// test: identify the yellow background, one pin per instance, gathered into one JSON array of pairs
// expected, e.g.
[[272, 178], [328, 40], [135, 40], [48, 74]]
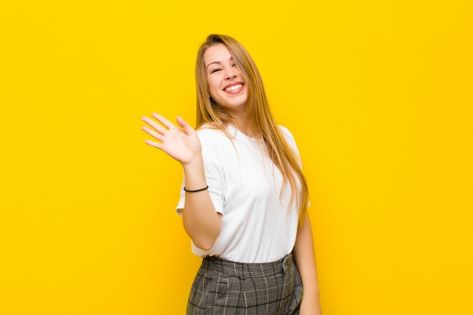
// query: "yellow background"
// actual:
[[377, 93]]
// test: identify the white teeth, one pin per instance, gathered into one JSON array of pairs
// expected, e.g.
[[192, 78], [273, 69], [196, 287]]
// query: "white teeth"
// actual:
[[233, 88]]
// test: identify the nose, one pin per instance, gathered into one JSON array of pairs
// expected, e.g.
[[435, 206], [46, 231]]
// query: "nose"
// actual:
[[231, 73]]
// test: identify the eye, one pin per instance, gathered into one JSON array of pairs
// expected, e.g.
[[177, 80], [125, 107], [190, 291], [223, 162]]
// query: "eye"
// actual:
[[215, 70]]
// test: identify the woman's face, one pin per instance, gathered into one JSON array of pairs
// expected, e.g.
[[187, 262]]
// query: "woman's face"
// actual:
[[226, 84]]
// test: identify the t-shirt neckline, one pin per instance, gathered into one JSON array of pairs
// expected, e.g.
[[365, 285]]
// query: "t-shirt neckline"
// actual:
[[240, 135]]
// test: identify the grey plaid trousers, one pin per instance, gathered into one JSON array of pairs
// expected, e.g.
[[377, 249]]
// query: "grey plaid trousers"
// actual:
[[225, 287]]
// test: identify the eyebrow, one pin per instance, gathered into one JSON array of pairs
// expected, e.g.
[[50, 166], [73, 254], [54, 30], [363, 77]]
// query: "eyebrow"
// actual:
[[231, 58]]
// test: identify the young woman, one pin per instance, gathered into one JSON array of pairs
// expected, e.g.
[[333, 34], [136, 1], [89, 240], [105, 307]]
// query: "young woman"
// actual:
[[244, 198]]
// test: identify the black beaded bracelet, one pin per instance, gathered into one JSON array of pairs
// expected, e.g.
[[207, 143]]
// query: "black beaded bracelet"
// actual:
[[196, 190]]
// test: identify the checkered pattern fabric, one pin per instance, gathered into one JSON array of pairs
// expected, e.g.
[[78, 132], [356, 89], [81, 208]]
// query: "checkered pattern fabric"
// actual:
[[226, 287]]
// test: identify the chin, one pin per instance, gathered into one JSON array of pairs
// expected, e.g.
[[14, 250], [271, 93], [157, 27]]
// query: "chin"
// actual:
[[232, 103], [235, 104]]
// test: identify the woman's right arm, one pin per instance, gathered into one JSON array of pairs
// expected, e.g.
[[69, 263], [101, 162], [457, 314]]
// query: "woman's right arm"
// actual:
[[201, 221]]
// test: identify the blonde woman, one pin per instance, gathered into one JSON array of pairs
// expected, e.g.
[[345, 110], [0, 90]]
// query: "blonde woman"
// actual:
[[244, 198]]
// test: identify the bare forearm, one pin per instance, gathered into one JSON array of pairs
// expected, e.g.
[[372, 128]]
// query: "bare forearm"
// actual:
[[305, 261], [201, 221]]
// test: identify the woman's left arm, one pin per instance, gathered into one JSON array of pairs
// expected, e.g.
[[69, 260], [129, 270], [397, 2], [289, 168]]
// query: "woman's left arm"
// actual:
[[305, 260]]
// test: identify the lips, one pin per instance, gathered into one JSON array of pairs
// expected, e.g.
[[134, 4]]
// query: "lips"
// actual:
[[232, 84], [233, 88]]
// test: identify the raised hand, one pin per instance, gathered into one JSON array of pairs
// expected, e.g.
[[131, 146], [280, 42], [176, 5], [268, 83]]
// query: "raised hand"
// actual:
[[181, 144]]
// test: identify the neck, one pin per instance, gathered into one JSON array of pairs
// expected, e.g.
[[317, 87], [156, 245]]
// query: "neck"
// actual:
[[241, 123]]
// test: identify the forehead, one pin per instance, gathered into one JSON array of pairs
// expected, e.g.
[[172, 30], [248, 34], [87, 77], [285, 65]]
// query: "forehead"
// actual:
[[217, 52]]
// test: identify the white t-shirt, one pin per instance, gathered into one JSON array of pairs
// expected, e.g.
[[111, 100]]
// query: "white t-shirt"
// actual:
[[244, 187]]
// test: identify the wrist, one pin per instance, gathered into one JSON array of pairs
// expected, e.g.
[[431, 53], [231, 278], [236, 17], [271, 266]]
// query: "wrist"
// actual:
[[195, 163], [311, 291], [194, 174]]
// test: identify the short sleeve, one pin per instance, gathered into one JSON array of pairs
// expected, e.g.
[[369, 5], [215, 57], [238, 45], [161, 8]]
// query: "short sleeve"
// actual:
[[292, 142], [214, 176]]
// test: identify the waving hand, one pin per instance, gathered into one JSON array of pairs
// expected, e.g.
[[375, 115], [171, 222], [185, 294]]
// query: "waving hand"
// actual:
[[182, 144]]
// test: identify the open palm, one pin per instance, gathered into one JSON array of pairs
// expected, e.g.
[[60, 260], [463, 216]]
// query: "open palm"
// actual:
[[181, 144]]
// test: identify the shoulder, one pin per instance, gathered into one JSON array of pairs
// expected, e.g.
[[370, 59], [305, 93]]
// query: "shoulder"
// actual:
[[213, 141], [289, 137], [287, 133], [209, 132]]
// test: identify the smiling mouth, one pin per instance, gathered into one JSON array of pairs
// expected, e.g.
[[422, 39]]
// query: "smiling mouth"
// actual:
[[234, 89]]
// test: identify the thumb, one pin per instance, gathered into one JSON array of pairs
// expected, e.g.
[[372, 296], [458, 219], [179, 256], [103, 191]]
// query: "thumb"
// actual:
[[187, 128]]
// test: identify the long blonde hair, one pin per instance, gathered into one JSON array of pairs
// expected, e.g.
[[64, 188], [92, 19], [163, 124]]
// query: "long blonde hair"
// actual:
[[260, 119]]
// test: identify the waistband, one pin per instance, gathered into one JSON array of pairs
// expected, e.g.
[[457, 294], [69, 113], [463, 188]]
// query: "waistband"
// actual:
[[248, 269]]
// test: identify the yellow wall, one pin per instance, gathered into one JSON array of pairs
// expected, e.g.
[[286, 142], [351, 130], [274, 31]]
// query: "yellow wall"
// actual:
[[377, 93]]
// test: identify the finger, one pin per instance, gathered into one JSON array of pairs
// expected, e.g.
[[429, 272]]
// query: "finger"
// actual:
[[187, 128], [154, 125], [153, 133], [154, 144], [163, 120]]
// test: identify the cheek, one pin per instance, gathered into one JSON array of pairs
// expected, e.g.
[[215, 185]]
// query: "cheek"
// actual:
[[245, 90], [213, 86]]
